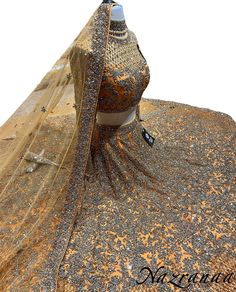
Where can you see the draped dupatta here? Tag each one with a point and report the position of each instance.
(38, 210)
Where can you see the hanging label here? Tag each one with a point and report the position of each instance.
(147, 137)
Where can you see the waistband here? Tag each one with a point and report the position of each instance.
(118, 118)
(123, 129)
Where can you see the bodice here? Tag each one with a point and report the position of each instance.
(126, 73)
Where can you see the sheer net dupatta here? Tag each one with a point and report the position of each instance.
(38, 208)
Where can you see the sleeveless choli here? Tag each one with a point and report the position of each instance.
(126, 75)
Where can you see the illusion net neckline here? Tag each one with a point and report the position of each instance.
(118, 29)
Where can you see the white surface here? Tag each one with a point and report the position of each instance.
(189, 45)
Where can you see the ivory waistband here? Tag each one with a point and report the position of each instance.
(116, 119)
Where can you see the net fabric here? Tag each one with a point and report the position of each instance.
(32, 204)
(120, 55)
(17, 191)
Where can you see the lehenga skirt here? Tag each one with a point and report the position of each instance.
(146, 209)
(152, 216)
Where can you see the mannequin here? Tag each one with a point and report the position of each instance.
(117, 13)
(125, 117)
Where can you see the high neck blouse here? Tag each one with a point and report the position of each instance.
(126, 73)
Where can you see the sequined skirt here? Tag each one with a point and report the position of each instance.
(145, 208)
(146, 212)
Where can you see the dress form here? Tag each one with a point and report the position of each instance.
(117, 13)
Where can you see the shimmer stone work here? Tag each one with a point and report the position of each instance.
(117, 205)
(85, 123)
(126, 75)
(170, 204)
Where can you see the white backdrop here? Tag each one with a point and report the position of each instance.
(190, 47)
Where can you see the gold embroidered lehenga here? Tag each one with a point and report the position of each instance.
(85, 206)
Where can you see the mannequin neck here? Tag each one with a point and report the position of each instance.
(117, 13)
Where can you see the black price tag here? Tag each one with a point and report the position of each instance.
(147, 137)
